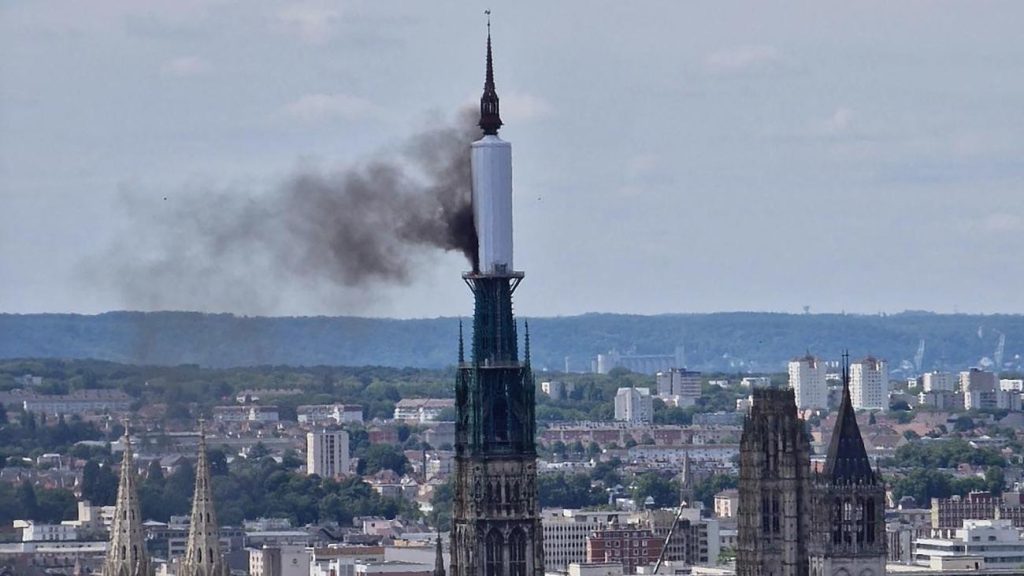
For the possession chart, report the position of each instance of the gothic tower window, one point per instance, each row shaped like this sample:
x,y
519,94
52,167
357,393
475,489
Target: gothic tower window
x,y
494,549
837,525
765,515
869,519
517,552
862,526
776,513
501,419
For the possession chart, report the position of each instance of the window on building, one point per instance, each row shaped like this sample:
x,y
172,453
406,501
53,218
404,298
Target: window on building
x,y
493,559
517,553
501,419
869,519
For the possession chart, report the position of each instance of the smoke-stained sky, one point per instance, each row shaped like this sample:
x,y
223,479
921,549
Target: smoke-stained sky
x,y
669,156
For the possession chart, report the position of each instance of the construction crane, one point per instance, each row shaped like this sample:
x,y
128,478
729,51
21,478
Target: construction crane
x,y
671,530
685,494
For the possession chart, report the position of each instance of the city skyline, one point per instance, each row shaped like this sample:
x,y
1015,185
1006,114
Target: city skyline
x,y
689,158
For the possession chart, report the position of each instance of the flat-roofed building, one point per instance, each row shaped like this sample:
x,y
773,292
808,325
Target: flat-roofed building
x,y
420,410
327,453
807,379
678,387
983,543
631,546
634,405
869,384
931,381
566,532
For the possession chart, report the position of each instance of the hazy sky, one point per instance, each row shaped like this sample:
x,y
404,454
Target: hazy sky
x,y
668,156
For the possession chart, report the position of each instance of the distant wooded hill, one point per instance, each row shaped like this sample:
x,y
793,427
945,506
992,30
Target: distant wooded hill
x,y
732,342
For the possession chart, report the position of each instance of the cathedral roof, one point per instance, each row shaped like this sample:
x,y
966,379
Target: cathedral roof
x,y
847,461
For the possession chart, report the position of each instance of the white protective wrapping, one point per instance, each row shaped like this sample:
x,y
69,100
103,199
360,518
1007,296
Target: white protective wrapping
x,y
492,203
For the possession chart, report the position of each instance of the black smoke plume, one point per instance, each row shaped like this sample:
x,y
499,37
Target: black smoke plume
x,y
350,229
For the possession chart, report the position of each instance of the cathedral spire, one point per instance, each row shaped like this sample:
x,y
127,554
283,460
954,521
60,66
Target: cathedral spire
x,y
847,461
126,555
490,120
202,557
439,559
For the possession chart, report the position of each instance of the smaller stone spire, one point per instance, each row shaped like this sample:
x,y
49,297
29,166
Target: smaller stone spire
x,y
490,119
202,557
847,461
439,559
126,555
686,482
526,342
462,347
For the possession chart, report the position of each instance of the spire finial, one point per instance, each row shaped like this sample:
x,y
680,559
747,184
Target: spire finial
x,y
846,371
490,119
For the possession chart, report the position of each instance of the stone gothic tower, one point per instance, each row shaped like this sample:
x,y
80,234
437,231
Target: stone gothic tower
x,y
774,506
202,556
438,559
126,555
496,529
848,513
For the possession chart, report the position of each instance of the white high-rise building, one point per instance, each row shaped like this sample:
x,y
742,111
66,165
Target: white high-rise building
x,y
634,405
807,379
327,453
869,384
932,381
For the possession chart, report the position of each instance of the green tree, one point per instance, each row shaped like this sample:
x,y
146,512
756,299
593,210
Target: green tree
x,y
923,484
995,480
705,490
561,490
218,462
607,473
963,423
440,516
99,485
945,453
27,500
664,491
55,505
177,493
258,451
383,456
